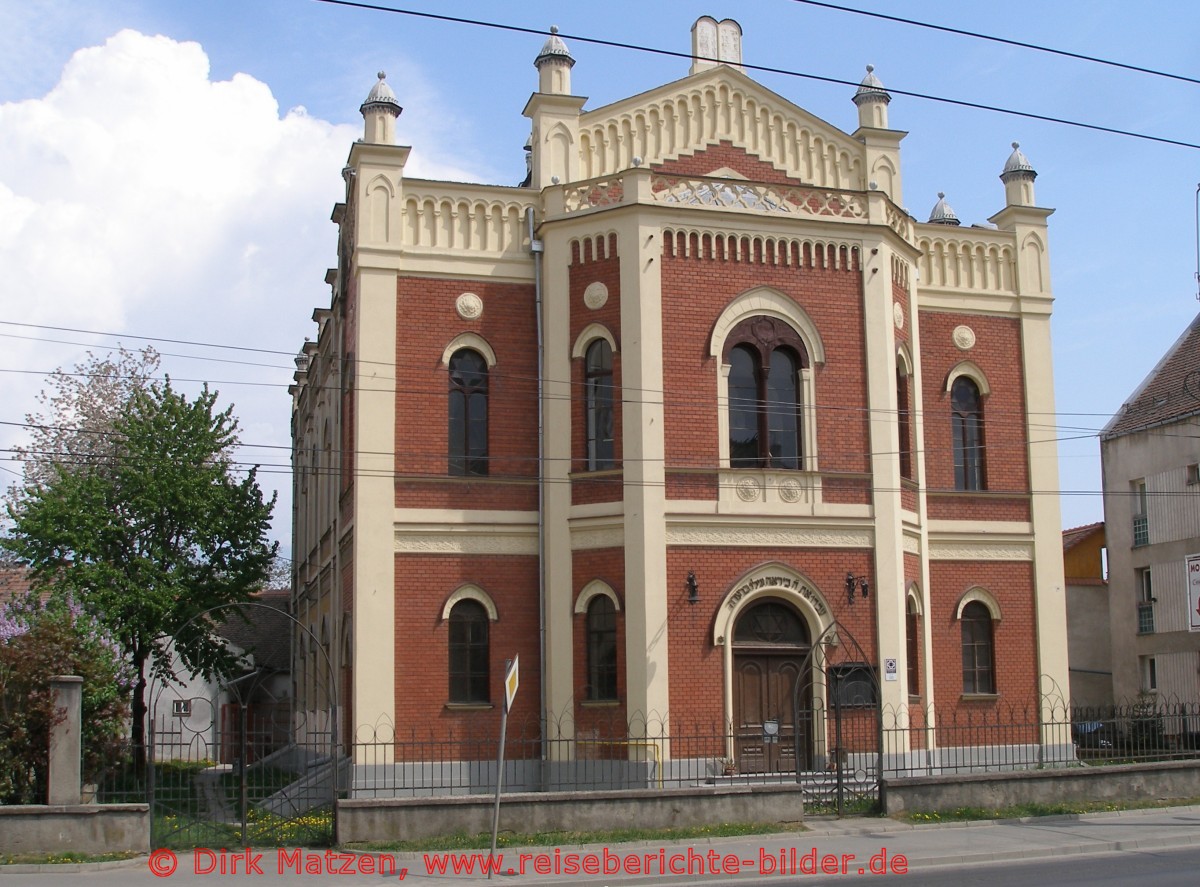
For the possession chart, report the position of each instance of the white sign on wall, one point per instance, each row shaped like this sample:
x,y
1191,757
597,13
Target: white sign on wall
x,y
1193,589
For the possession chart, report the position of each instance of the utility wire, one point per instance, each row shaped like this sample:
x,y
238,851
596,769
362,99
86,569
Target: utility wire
x,y
616,44
67,329
1018,43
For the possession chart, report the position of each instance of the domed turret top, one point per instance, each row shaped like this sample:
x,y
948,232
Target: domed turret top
x,y
381,96
871,89
554,49
942,213
1017,163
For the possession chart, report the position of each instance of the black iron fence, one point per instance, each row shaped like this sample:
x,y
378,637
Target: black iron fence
x,y
993,736
841,749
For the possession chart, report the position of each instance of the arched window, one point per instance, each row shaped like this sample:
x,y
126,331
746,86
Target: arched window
x,y
468,413
904,423
765,357
979,675
912,640
598,380
967,429
469,652
602,648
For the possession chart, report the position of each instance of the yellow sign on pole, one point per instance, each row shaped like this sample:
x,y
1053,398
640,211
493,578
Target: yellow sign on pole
x,y
512,680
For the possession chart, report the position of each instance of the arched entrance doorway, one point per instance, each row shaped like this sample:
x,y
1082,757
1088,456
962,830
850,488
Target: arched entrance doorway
x,y
771,646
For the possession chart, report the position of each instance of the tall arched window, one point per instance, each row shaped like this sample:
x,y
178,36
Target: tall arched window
x,y
979,674
765,357
967,429
904,423
598,380
602,648
468,413
912,642
469,652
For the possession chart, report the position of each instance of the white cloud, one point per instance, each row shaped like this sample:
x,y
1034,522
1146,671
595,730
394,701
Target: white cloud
x,y
140,195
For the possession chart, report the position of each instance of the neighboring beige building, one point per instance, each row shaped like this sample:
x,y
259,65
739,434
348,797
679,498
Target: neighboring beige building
x,y
1089,645
1150,457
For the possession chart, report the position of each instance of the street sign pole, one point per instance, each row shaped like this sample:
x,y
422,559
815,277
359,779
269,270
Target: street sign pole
x,y
511,682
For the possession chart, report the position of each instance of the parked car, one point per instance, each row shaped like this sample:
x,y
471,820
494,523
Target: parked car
x,y
1092,734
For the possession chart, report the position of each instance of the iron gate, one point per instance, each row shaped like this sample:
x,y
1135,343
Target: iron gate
x,y
843,715
238,763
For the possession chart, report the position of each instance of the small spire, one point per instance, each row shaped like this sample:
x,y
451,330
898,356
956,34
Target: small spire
x,y
942,214
871,89
1017,164
381,97
554,48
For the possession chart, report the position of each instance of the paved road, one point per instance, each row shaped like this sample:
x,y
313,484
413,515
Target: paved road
x,y
830,852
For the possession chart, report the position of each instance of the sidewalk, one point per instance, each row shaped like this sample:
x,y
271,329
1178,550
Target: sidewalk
x,y
831,847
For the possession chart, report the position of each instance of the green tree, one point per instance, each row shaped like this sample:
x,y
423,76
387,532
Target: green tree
x,y
152,533
38,641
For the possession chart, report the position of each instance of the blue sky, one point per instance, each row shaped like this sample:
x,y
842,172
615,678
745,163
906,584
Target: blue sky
x,y
167,168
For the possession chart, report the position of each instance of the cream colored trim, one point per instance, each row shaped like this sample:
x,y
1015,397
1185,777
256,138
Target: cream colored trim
x,y
904,360
597,537
772,580
980,551
913,599
785,537
468,540
772,303
597,587
971,370
470,593
473,341
590,333
983,596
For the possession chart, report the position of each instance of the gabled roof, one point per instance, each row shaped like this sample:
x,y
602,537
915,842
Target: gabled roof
x,y
735,109
1170,393
267,633
1075,535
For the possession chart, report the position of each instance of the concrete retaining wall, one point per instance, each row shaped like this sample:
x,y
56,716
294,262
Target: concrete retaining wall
x,y
409,818
1171,780
82,828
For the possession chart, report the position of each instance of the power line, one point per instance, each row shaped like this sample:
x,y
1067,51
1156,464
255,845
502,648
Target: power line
x,y
616,44
247,363
67,329
1006,41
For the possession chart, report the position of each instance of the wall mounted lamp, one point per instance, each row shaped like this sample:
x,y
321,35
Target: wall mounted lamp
x,y
693,588
853,582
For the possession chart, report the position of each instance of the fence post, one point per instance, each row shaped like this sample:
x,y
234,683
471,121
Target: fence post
x,y
66,744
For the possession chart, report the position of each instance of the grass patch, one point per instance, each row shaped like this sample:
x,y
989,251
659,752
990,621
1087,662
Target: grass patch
x,y
69,856
263,829
568,839
1022,811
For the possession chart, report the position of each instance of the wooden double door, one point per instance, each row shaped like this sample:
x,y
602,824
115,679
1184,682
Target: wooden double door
x,y
766,737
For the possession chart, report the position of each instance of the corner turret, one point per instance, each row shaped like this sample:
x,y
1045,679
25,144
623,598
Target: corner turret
x,y
554,65
380,111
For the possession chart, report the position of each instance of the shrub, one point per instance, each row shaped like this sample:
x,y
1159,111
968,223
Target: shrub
x,y
38,641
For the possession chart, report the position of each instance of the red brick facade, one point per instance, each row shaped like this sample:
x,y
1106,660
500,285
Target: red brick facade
x,y
823,264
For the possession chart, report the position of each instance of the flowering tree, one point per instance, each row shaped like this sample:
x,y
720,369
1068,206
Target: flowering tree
x,y
39,640
151,534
